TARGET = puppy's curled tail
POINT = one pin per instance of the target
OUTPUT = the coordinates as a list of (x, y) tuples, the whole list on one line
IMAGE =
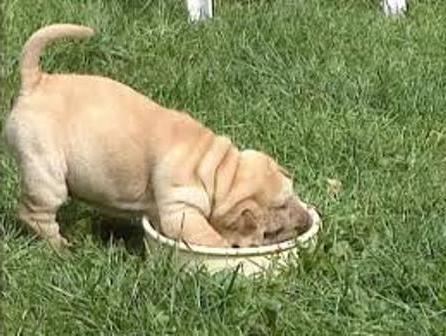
[(30, 68)]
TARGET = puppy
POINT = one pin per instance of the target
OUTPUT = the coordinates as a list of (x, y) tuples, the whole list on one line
[(97, 140)]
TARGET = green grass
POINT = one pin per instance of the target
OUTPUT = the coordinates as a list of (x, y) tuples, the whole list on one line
[(330, 88)]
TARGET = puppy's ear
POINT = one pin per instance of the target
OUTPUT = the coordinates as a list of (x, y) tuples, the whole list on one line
[(247, 222), (285, 172), (273, 166)]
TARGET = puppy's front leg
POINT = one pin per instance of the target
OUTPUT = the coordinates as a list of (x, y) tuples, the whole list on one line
[(189, 225)]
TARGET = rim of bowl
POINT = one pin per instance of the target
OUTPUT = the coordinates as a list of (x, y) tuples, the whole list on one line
[(230, 251)]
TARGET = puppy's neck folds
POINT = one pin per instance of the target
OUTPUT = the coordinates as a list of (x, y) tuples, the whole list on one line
[(200, 173)]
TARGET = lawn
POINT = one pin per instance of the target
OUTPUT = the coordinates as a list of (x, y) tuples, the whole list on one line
[(332, 89)]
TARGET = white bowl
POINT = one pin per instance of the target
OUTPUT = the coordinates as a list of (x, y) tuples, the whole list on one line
[(251, 260)]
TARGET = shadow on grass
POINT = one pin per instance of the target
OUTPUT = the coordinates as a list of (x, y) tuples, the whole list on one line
[(78, 221), (111, 230)]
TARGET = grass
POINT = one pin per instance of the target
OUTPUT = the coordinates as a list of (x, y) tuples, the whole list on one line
[(333, 90)]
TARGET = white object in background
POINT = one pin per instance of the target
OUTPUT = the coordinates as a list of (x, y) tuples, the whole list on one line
[(394, 7), (199, 9)]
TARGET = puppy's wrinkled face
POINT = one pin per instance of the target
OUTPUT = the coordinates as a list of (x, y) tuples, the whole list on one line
[(273, 213), (287, 221)]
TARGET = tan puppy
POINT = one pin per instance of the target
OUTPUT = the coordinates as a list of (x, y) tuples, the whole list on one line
[(100, 141)]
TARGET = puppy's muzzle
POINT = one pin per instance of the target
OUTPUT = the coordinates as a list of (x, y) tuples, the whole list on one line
[(312, 217)]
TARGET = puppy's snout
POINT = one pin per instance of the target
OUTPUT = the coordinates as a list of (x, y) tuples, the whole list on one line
[(303, 220), (306, 223)]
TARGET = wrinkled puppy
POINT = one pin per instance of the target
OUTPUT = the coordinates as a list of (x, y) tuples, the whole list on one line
[(97, 140)]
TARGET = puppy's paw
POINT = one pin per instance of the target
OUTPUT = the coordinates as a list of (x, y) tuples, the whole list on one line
[(207, 241), (59, 243)]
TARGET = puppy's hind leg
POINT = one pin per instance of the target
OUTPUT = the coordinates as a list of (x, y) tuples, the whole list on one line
[(44, 190)]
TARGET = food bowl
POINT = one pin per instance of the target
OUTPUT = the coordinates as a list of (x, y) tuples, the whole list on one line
[(249, 260)]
